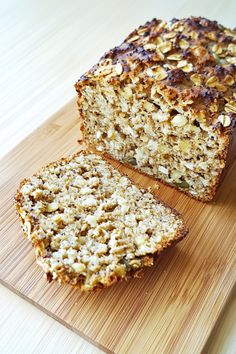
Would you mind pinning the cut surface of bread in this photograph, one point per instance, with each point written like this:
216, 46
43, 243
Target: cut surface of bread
165, 102
90, 225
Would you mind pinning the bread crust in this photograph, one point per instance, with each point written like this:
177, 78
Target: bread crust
202, 36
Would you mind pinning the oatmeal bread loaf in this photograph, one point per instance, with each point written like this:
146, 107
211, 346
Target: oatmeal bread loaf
90, 225
165, 102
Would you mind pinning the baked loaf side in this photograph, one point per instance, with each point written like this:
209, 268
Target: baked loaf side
90, 225
165, 102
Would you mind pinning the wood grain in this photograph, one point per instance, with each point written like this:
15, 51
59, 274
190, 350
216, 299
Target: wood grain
173, 308
35, 332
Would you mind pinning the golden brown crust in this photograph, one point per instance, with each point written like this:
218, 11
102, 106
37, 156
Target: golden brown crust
197, 57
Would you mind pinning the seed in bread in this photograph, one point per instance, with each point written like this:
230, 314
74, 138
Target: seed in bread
90, 225
165, 102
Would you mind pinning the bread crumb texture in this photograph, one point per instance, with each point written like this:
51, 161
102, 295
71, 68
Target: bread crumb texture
90, 225
165, 102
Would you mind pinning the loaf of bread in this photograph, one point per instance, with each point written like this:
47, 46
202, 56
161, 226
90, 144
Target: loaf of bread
164, 101
90, 225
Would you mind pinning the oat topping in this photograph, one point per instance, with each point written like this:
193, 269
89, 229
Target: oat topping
203, 50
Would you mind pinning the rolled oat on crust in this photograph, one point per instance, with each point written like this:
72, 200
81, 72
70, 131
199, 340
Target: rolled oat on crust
165, 102
90, 225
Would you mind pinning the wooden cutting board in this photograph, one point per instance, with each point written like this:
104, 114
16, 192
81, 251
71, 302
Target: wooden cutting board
173, 308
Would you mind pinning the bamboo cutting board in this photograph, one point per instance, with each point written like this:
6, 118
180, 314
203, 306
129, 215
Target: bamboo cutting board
173, 308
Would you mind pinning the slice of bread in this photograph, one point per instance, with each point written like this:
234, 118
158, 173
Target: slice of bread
165, 102
90, 225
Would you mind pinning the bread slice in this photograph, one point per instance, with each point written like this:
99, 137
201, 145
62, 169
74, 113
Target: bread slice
165, 102
90, 225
